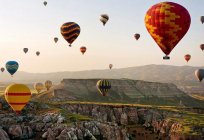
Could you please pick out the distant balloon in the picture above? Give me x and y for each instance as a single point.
(137, 36)
(45, 3)
(37, 53)
(12, 67)
(187, 57)
(70, 31)
(199, 74)
(202, 47)
(83, 49)
(110, 66)
(104, 19)
(167, 23)
(17, 96)
(56, 39)
(25, 50)
(103, 86)
(48, 84)
(2, 69)
(202, 19)
(39, 87)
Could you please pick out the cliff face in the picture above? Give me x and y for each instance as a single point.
(124, 90)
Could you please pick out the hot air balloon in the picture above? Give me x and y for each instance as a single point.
(38, 87)
(2, 69)
(56, 39)
(37, 53)
(83, 49)
(70, 31)
(199, 74)
(104, 19)
(25, 50)
(17, 96)
(12, 67)
(103, 86)
(202, 19)
(167, 23)
(110, 66)
(202, 47)
(48, 84)
(45, 3)
(187, 57)
(137, 36)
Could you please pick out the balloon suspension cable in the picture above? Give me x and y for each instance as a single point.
(166, 57)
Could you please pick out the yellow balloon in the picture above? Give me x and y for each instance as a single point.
(17, 96)
(39, 87)
(48, 84)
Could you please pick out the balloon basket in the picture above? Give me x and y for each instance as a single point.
(166, 57)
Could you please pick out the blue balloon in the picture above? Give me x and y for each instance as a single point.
(12, 67)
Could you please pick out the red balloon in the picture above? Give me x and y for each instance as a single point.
(137, 36)
(187, 57)
(202, 47)
(167, 23)
(83, 49)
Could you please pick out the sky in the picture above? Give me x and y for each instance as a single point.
(29, 24)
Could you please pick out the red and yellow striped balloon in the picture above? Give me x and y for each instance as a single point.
(167, 23)
(17, 96)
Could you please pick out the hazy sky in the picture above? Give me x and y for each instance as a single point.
(28, 23)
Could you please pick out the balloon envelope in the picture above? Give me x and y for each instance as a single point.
(103, 86)
(45, 3)
(56, 39)
(12, 67)
(70, 31)
(104, 19)
(137, 36)
(83, 49)
(187, 57)
(2, 69)
(167, 23)
(202, 19)
(199, 74)
(25, 50)
(17, 96)
(48, 84)
(38, 87)
(202, 47)
(110, 66)
(37, 53)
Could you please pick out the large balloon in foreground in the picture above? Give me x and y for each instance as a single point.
(25, 50)
(48, 84)
(202, 47)
(202, 19)
(39, 87)
(199, 74)
(103, 86)
(83, 49)
(104, 19)
(137, 36)
(17, 96)
(55, 39)
(37, 53)
(2, 69)
(187, 57)
(110, 66)
(45, 3)
(70, 31)
(12, 67)
(167, 23)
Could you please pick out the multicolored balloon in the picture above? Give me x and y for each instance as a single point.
(25, 50)
(37, 53)
(187, 57)
(83, 49)
(199, 74)
(48, 84)
(167, 23)
(45, 3)
(104, 19)
(17, 96)
(202, 19)
(202, 47)
(110, 66)
(2, 69)
(137, 36)
(55, 39)
(103, 87)
(70, 31)
(12, 67)
(38, 87)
